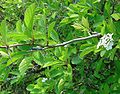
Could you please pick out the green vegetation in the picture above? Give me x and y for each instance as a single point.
(59, 47)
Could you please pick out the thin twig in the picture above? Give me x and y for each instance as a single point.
(16, 45)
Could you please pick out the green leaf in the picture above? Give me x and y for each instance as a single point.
(51, 27)
(116, 16)
(58, 51)
(56, 71)
(3, 54)
(74, 16)
(60, 86)
(102, 53)
(39, 58)
(51, 63)
(13, 81)
(29, 15)
(52, 33)
(98, 68)
(107, 8)
(35, 91)
(77, 26)
(111, 26)
(16, 56)
(85, 22)
(10, 61)
(103, 28)
(112, 54)
(105, 89)
(3, 66)
(69, 69)
(83, 46)
(54, 15)
(19, 26)
(42, 23)
(69, 73)
(76, 60)
(30, 87)
(18, 36)
(117, 66)
(118, 44)
(65, 21)
(24, 65)
(87, 51)
(3, 32)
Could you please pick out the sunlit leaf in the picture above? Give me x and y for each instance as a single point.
(74, 16)
(3, 31)
(65, 21)
(39, 58)
(29, 16)
(50, 64)
(116, 16)
(51, 28)
(15, 56)
(60, 86)
(4, 54)
(77, 26)
(24, 65)
(85, 22)
(19, 26)
(102, 53)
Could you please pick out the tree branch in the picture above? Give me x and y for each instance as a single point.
(42, 47)
(67, 42)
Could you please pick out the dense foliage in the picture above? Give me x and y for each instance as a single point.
(36, 56)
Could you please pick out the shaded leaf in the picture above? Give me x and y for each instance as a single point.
(42, 23)
(87, 51)
(52, 33)
(76, 60)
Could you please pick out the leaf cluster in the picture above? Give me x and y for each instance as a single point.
(38, 57)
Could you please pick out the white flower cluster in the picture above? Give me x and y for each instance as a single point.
(106, 41)
(44, 79)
